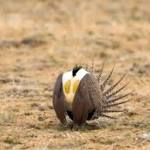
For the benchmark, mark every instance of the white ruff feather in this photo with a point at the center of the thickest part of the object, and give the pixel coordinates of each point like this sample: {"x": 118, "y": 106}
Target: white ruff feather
{"x": 68, "y": 76}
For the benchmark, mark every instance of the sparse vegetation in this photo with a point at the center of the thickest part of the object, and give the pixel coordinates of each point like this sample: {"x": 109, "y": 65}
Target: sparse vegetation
{"x": 7, "y": 118}
{"x": 41, "y": 38}
{"x": 12, "y": 140}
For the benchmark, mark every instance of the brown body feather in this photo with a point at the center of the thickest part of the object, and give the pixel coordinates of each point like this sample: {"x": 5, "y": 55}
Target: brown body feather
{"x": 59, "y": 100}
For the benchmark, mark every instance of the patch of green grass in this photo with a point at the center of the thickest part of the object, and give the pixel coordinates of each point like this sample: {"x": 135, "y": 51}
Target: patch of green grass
{"x": 107, "y": 142}
{"x": 6, "y": 117}
{"x": 28, "y": 113}
{"x": 12, "y": 140}
{"x": 35, "y": 126}
{"x": 54, "y": 61}
{"x": 115, "y": 127}
{"x": 61, "y": 127}
{"x": 127, "y": 135}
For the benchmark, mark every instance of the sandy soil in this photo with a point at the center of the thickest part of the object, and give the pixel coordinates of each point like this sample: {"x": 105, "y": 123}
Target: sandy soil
{"x": 41, "y": 38}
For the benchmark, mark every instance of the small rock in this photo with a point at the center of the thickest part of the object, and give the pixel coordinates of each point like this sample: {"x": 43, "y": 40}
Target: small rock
{"x": 40, "y": 118}
{"x": 42, "y": 107}
{"x": 144, "y": 136}
{"x": 130, "y": 111}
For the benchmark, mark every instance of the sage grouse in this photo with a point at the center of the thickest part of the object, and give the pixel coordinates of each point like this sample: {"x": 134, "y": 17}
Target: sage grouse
{"x": 83, "y": 96}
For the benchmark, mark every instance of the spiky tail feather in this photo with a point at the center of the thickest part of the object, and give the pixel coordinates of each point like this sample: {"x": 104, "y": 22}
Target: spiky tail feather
{"x": 111, "y": 96}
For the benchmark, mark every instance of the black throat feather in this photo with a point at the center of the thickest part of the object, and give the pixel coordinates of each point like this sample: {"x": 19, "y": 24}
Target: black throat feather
{"x": 75, "y": 70}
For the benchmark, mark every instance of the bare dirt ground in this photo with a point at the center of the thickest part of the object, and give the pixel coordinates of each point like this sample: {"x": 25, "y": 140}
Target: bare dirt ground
{"x": 41, "y": 38}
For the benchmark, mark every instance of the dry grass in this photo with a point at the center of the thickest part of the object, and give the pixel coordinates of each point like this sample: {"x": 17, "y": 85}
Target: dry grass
{"x": 39, "y": 39}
